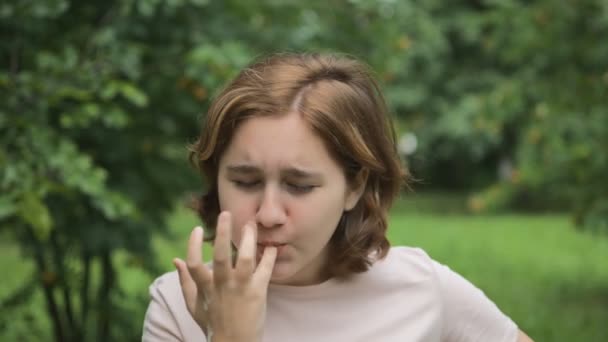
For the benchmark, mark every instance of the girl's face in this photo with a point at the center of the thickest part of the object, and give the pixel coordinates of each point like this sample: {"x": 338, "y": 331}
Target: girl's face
{"x": 277, "y": 173}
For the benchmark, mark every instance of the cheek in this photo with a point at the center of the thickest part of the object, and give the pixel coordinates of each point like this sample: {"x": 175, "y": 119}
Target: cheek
{"x": 239, "y": 206}
{"x": 320, "y": 214}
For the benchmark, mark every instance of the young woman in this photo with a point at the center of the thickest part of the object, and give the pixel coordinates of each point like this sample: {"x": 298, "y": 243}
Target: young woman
{"x": 301, "y": 167}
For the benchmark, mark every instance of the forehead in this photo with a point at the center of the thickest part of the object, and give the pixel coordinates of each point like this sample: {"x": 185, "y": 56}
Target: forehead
{"x": 277, "y": 141}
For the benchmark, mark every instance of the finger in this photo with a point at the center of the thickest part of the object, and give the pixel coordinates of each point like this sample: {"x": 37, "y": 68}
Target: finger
{"x": 255, "y": 244}
{"x": 188, "y": 285}
{"x": 264, "y": 271}
{"x": 245, "y": 264}
{"x": 222, "y": 264}
{"x": 199, "y": 273}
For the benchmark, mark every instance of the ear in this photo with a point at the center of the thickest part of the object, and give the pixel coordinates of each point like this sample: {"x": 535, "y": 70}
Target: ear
{"x": 355, "y": 191}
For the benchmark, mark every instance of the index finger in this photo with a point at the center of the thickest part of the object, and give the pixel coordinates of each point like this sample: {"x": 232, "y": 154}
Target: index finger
{"x": 265, "y": 267}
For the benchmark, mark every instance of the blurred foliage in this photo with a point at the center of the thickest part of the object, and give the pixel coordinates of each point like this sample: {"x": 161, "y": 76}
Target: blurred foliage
{"x": 538, "y": 97}
{"x": 100, "y": 98}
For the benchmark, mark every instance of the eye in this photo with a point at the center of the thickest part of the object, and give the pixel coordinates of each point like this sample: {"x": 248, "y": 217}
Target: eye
{"x": 299, "y": 189}
{"x": 247, "y": 185}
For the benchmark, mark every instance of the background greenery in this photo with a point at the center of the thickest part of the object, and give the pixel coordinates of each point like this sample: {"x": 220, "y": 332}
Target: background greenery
{"x": 99, "y": 100}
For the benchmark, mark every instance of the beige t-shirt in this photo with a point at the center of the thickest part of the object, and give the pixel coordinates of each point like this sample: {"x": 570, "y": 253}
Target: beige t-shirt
{"x": 405, "y": 297}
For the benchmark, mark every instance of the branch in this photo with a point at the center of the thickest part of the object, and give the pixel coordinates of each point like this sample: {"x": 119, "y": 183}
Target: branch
{"x": 47, "y": 286}
{"x": 84, "y": 294}
{"x": 105, "y": 289}
{"x": 63, "y": 282}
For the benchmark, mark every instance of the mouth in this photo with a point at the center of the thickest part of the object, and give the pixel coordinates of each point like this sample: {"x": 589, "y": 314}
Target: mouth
{"x": 270, "y": 244}
{"x": 278, "y": 245}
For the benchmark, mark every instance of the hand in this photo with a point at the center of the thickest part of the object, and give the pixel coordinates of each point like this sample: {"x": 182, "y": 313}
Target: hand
{"x": 228, "y": 303}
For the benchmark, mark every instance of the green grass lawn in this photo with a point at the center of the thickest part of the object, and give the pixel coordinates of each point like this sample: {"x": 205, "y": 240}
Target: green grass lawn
{"x": 548, "y": 277}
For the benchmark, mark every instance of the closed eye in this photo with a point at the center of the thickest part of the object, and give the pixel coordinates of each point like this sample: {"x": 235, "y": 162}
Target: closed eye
{"x": 247, "y": 185}
{"x": 300, "y": 189}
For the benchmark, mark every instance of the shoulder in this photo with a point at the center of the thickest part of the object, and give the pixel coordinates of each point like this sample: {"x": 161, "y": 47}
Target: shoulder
{"x": 167, "y": 281}
{"x": 167, "y": 289}
{"x": 166, "y": 293}
{"x": 466, "y": 312}
{"x": 414, "y": 262}
{"x": 167, "y": 318}
{"x": 416, "y": 265}
{"x": 405, "y": 268}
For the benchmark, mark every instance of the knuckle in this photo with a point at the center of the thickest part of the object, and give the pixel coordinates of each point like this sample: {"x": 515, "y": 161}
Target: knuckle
{"x": 221, "y": 261}
{"x": 192, "y": 264}
{"x": 233, "y": 285}
{"x": 243, "y": 276}
{"x": 247, "y": 260}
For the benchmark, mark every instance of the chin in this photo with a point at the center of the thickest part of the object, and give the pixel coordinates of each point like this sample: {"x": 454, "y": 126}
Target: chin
{"x": 281, "y": 274}
{"x": 287, "y": 273}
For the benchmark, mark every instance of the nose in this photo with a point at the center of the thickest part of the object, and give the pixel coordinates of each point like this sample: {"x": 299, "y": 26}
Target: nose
{"x": 271, "y": 211}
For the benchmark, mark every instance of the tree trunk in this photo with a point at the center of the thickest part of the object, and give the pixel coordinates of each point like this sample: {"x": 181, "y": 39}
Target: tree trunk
{"x": 105, "y": 305}
{"x": 47, "y": 280}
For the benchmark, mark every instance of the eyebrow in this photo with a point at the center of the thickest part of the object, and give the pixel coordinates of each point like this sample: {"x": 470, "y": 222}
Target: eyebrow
{"x": 243, "y": 169}
{"x": 291, "y": 171}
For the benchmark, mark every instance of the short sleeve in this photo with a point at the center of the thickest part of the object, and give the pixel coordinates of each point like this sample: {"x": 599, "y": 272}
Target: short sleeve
{"x": 167, "y": 318}
{"x": 468, "y": 315}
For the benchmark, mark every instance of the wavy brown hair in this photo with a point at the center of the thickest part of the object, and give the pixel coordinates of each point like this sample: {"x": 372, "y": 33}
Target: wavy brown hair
{"x": 340, "y": 100}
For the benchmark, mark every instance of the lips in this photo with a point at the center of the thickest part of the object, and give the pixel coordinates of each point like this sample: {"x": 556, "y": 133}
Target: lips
{"x": 279, "y": 246}
{"x": 270, "y": 243}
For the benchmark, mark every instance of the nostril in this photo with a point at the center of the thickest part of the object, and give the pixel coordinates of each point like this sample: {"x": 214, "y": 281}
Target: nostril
{"x": 270, "y": 218}
{"x": 269, "y": 226}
